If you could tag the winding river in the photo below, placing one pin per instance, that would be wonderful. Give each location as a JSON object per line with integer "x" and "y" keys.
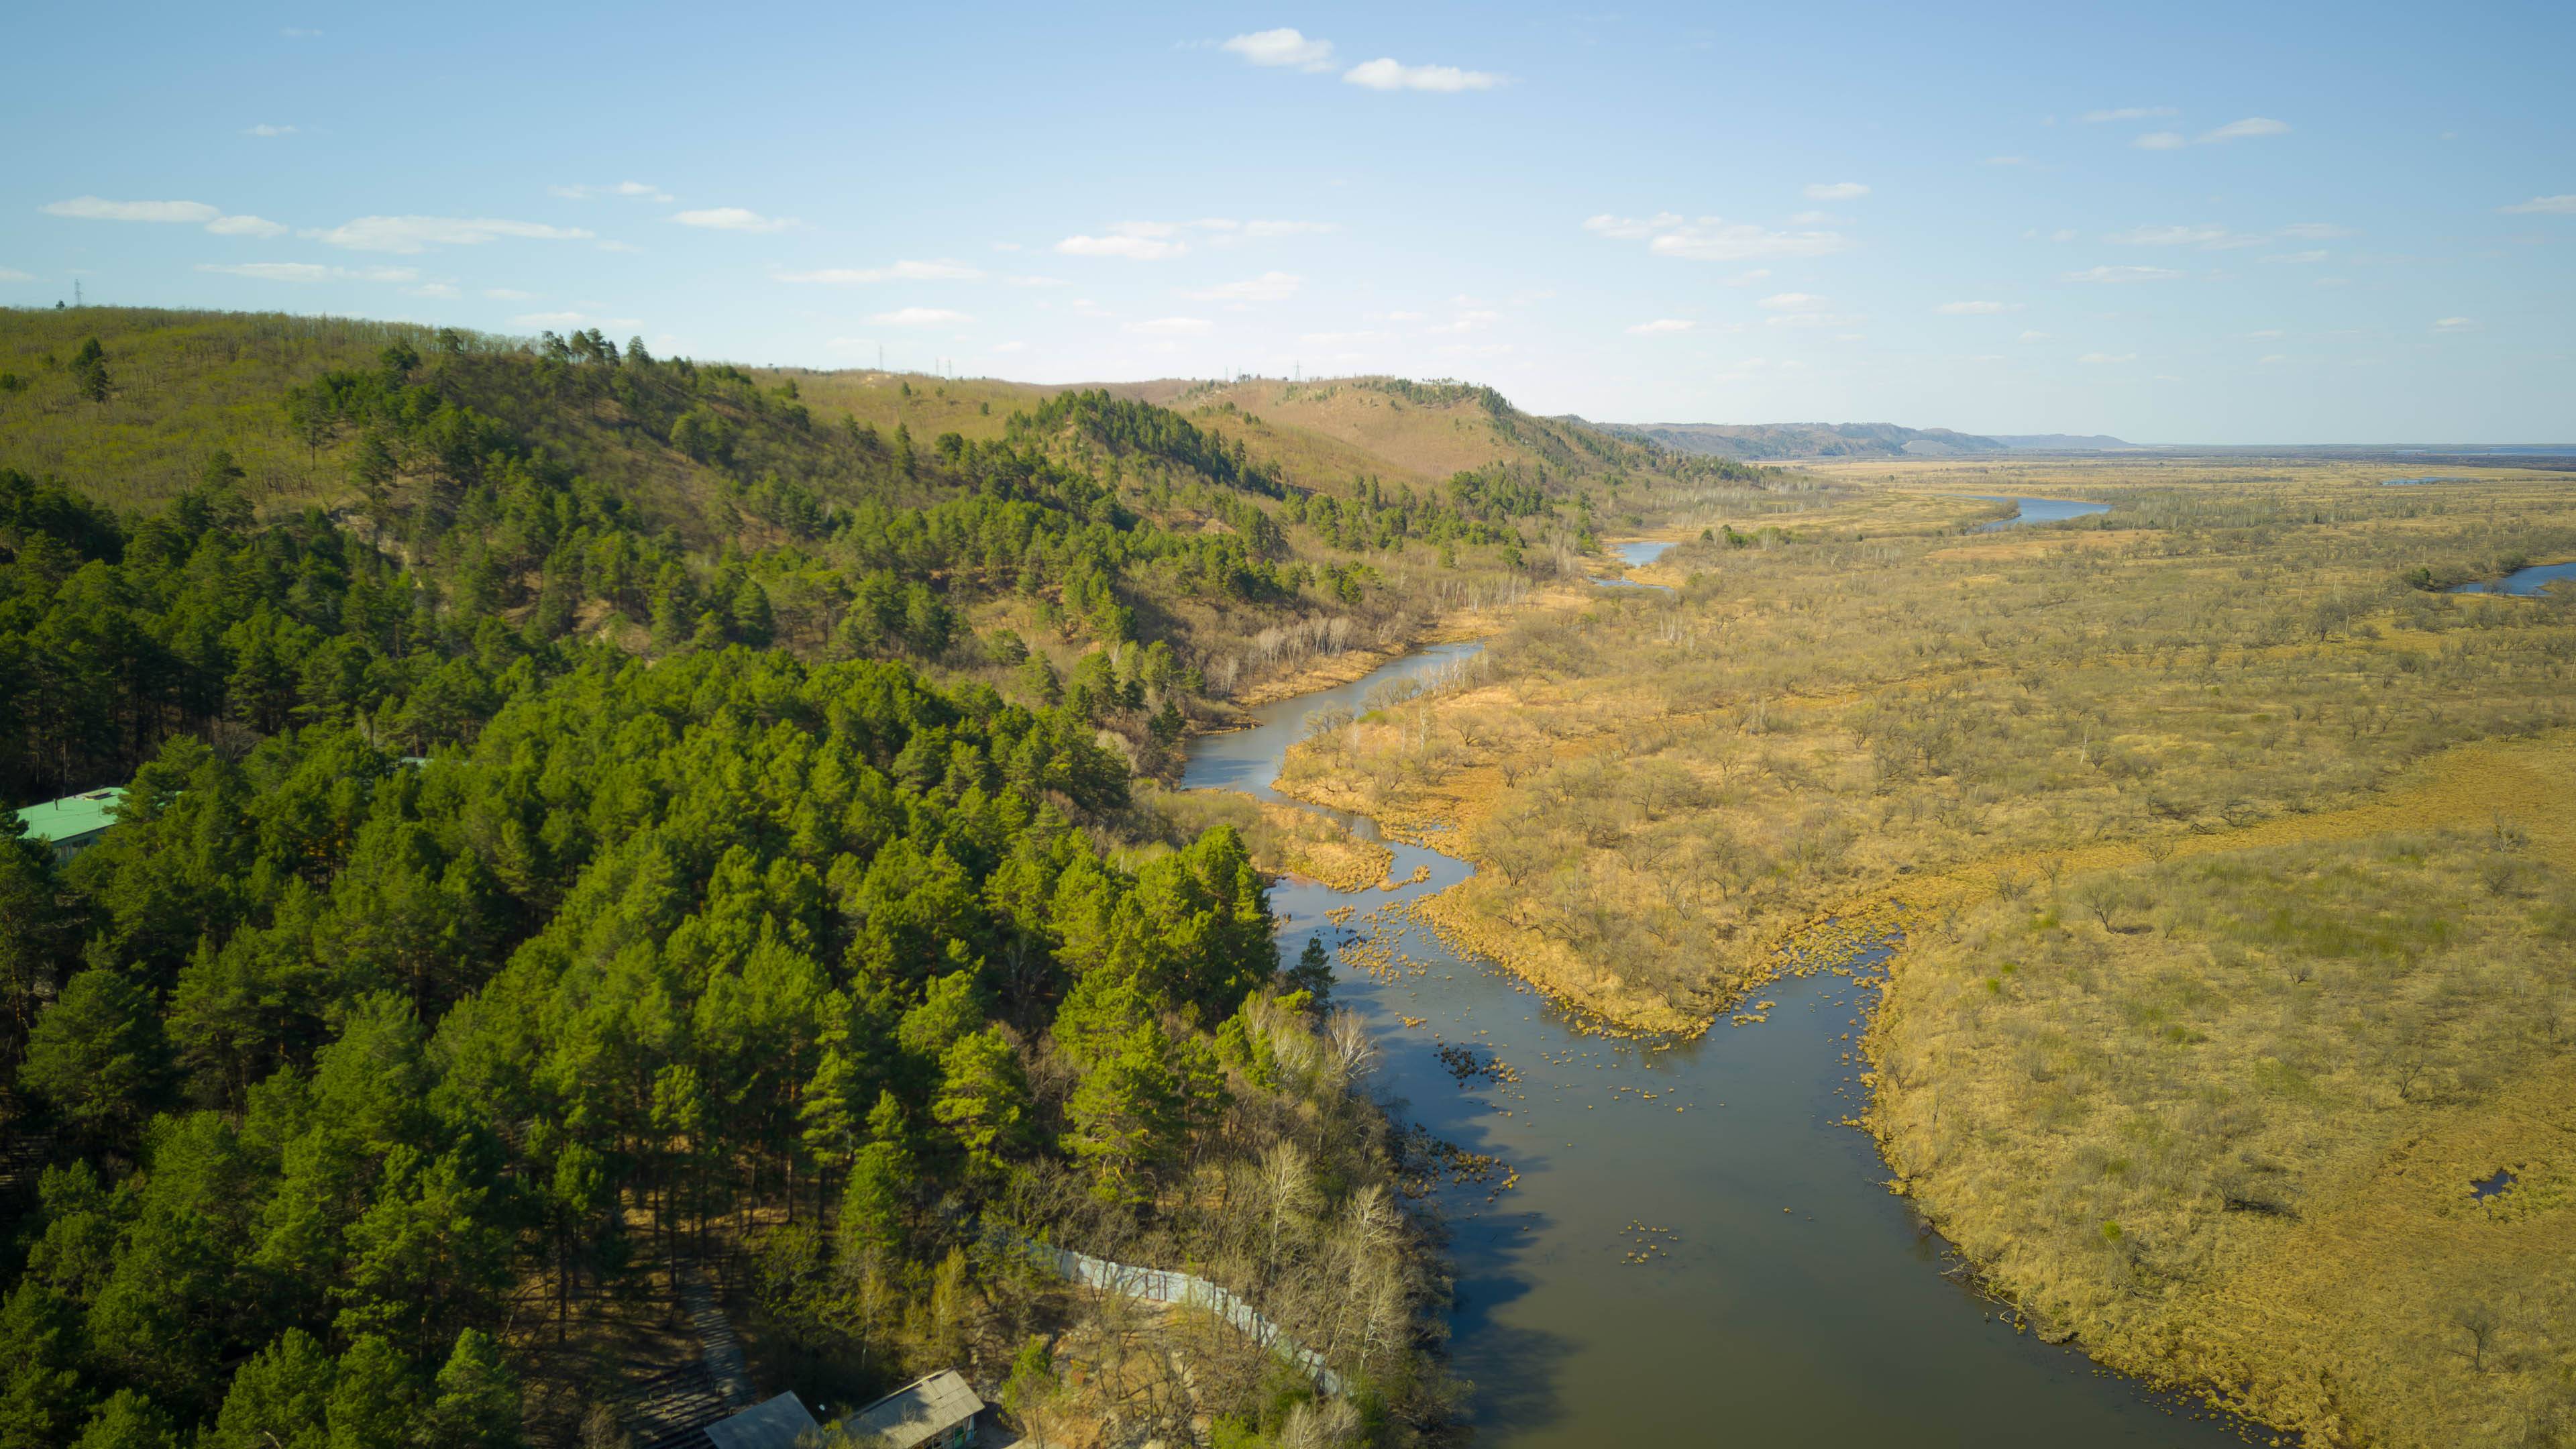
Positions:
{"x": 1694, "y": 1252}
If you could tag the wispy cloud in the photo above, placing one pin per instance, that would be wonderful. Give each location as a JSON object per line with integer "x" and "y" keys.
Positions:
{"x": 2103, "y": 357}
{"x": 212, "y": 218}
{"x": 2162, "y": 141}
{"x": 1975, "y": 309}
{"x": 1268, "y": 287}
{"x": 12, "y": 274}
{"x": 409, "y": 234}
{"x": 2169, "y": 236}
{"x": 2542, "y": 206}
{"x": 1835, "y": 190}
{"x": 2124, "y": 274}
{"x": 2315, "y": 231}
{"x": 2034, "y": 336}
{"x": 2128, "y": 113}
{"x": 932, "y": 271}
{"x": 2249, "y": 127}
{"x": 1282, "y": 47}
{"x": 918, "y": 317}
{"x": 310, "y": 272}
{"x": 1789, "y": 301}
{"x": 733, "y": 218}
{"x": 267, "y": 130}
{"x": 1133, "y": 247}
{"x": 638, "y": 189}
{"x": 2296, "y": 258}
{"x": 1225, "y": 229}
{"x": 1714, "y": 238}
{"x": 1662, "y": 324}
{"x": 1817, "y": 319}
{"x": 507, "y": 294}
{"x": 2454, "y": 324}
{"x": 1387, "y": 74}
{"x": 1171, "y": 326}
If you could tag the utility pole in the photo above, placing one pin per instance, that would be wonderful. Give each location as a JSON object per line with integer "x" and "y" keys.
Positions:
{"x": 76, "y": 293}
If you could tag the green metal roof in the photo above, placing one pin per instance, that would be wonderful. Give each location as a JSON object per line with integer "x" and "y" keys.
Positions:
{"x": 72, "y": 816}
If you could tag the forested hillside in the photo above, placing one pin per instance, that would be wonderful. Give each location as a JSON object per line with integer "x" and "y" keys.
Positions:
{"x": 377, "y": 524}
{"x": 598, "y": 823}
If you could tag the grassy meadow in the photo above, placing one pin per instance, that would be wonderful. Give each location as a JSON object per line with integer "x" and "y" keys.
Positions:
{"x": 2230, "y": 861}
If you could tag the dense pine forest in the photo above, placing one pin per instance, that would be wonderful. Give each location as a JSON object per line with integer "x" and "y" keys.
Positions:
{"x": 595, "y": 827}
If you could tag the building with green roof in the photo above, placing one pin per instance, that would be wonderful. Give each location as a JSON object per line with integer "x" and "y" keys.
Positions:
{"x": 74, "y": 822}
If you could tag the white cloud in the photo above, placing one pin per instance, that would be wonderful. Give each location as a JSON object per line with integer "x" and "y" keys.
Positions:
{"x": 434, "y": 289}
{"x": 732, "y": 218}
{"x": 309, "y": 272}
{"x": 1470, "y": 320}
{"x": 1835, "y": 190}
{"x": 2161, "y": 141}
{"x": 2296, "y": 258}
{"x": 2124, "y": 274}
{"x": 1715, "y": 239}
{"x": 99, "y": 208}
{"x": 1810, "y": 218}
{"x": 1282, "y": 47}
{"x": 1171, "y": 326}
{"x": 507, "y": 294}
{"x": 2543, "y": 206}
{"x": 1407, "y": 316}
{"x": 1226, "y": 229}
{"x": 1816, "y": 319}
{"x": 2128, "y": 113}
{"x": 1975, "y": 309}
{"x": 1662, "y": 324}
{"x": 2315, "y": 231}
{"x": 639, "y": 189}
{"x": 266, "y": 130}
{"x": 1385, "y": 74}
{"x": 407, "y": 234}
{"x": 2454, "y": 324}
{"x": 1268, "y": 287}
{"x": 2062, "y": 234}
{"x": 298, "y": 33}
{"x": 1789, "y": 301}
{"x": 1010, "y": 347}
{"x": 918, "y": 317}
{"x": 245, "y": 226}
{"x": 2265, "y": 335}
{"x": 2250, "y": 126}
{"x": 12, "y": 274}
{"x": 933, "y": 271}
{"x": 2034, "y": 336}
{"x": 2207, "y": 235}
{"x": 1034, "y": 281}
{"x": 1137, "y": 241}
{"x": 2098, "y": 357}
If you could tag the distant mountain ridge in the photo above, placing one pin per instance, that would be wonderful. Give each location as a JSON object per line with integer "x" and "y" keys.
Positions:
{"x": 1844, "y": 440}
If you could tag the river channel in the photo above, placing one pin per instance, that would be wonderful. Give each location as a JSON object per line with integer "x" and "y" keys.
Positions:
{"x": 1696, "y": 1250}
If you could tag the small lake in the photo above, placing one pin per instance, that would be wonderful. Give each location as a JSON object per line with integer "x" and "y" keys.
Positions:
{"x": 2038, "y": 510}
{"x": 2523, "y": 582}
{"x": 1636, "y": 553}
{"x": 1783, "y": 1297}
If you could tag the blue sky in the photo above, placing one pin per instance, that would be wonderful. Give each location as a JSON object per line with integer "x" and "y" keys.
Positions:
{"x": 2265, "y": 223}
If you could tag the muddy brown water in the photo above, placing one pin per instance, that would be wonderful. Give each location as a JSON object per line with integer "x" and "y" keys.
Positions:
{"x": 1784, "y": 1297}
